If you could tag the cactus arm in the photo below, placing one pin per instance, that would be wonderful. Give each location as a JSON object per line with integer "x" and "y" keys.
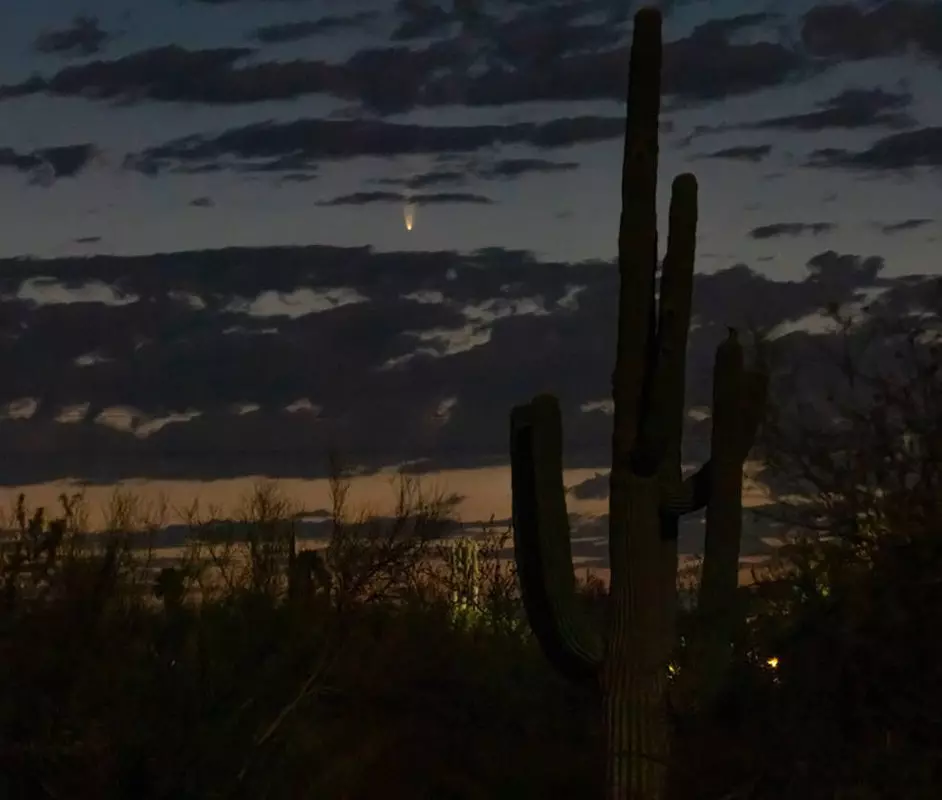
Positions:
{"x": 664, "y": 412}
{"x": 692, "y": 494}
{"x": 658, "y": 442}
{"x": 664, "y": 415}
{"x": 541, "y": 542}
{"x": 738, "y": 404}
{"x": 724, "y": 509}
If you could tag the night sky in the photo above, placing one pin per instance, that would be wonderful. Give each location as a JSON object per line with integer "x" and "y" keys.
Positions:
{"x": 205, "y": 271}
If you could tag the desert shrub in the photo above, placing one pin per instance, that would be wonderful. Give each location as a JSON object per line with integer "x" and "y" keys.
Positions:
{"x": 208, "y": 679}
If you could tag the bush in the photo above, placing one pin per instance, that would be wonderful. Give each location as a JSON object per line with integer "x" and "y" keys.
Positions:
{"x": 209, "y": 679}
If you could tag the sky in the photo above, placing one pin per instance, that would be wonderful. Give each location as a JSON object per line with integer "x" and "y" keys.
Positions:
{"x": 206, "y": 273}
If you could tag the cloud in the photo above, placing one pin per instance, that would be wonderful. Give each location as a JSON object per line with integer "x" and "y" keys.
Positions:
{"x": 437, "y": 177}
{"x": 724, "y": 28}
{"x": 82, "y": 37}
{"x": 700, "y": 67}
{"x": 852, "y": 108}
{"x": 344, "y": 346}
{"x": 754, "y": 153}
{"x": 842, "y": 271}
{"x": 306, "y": 29}
{"x": 297, "y": 177}
{"x": 843, "y": 31}
{"x": 903, "y": 225}
{"x": 304, "y": 141}
{"x": 790, "y": 229}
{"x": 366, "y": 198}
{"x": 594, "y": 488}
{"x": 898, "y": 151}
{"x": 500, "y": 169}
{"x": 46, "y": 165}
{"x": 202, "y": 202}
{"x": 706, "y": 66}
{"x": 537, "y": 56}
{"x": 515, "y": 167}
{"x": 385, "y": 80}
{"x": 420, "y": 19}
{"x": 87, "y": 239}
{"x": 535, "y": 37}
{"x": 152, "y": 74}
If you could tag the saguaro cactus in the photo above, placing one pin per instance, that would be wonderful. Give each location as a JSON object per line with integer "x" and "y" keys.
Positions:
{"x": 465, "y": 575}
{"x": 307, "y": 573}
{"x": 628, "y": 660}
{"x": 170, "y": 586}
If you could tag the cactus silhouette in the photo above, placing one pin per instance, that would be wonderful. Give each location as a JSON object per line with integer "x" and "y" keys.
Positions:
{"x": 628, "y": 660}
{"x": 307, "y": 573}
{"x": 465, "y": 575}
{"x": 170, "y": 587}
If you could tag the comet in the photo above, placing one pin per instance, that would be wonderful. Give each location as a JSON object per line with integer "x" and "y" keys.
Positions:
{"x": 409, "y": 215}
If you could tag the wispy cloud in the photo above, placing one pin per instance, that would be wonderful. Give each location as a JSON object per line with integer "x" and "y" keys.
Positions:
{"x": 363, "y": 337}
{"x": 82, "y": 37}
{"x": 790, "y": 229}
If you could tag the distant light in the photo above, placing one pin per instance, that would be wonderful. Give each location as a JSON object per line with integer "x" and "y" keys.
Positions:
{"x": 772, "y": 662}
{"x": 409, "y": 215}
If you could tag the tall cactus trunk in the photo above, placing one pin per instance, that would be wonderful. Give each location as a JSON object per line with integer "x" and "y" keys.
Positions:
{"x": 633, "y": 675}
{"x": 634, "y": 670}
{"x": 628, "y": 661}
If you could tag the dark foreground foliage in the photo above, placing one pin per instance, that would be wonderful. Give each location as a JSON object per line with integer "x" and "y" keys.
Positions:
{"x": 237, "y": 690}
{"x": 383, "y": 668}
{"x": 240, "y": 691}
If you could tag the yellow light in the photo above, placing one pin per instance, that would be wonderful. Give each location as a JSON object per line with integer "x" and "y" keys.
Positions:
{"x": 409, "y": 215}
{"x": 772, "y": 662}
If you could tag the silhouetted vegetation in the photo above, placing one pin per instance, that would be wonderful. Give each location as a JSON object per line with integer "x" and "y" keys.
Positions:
{"x": 397, "y": 658}
{"x": 228, "y": 674}
{"x": 393, "y": 665}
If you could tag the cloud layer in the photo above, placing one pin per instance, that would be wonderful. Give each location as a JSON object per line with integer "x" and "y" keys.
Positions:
{"x": 222, "y": 363}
